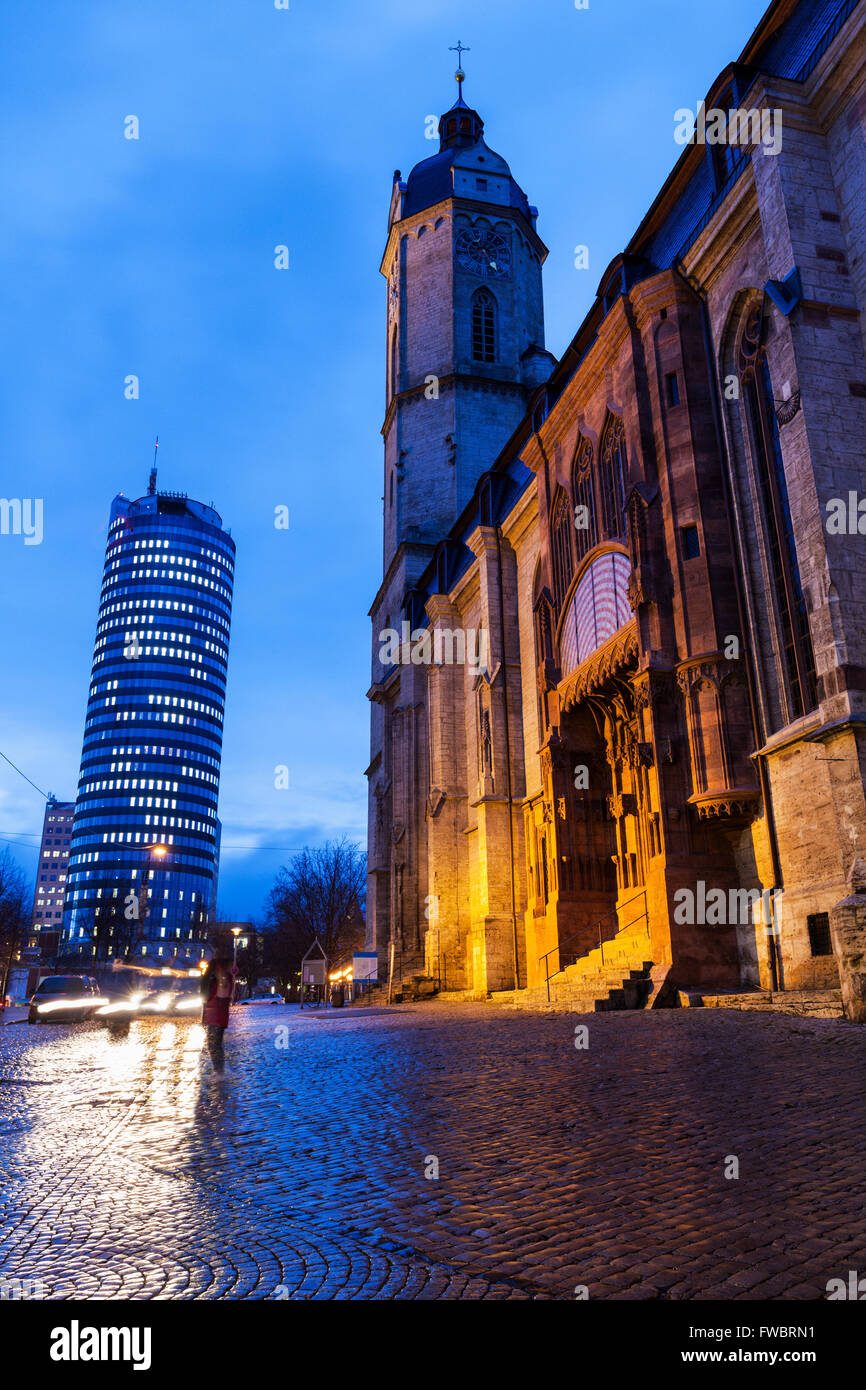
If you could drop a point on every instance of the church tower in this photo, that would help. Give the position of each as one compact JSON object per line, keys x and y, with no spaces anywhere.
{"x":464,"y":352}
{"x":465,"y":326}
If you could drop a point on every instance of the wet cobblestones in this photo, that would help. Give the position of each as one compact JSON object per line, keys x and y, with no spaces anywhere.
{"x":133,"y":1172}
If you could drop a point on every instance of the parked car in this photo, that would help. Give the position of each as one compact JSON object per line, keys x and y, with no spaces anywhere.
{"x":63,"y":999}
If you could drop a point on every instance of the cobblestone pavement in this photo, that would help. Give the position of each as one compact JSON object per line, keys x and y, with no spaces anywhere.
{"x":132,"y":1171}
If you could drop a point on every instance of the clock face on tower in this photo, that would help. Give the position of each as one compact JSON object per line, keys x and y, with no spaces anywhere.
{"x":484,"y":253}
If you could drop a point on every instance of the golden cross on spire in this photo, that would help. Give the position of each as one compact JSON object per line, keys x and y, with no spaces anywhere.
{"x":459,"y":49}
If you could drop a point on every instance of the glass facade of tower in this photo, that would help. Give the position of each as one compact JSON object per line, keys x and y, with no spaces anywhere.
{"x":145,"y":836}
{"x":51,"y":873}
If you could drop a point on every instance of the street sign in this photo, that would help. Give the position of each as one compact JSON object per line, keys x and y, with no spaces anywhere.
{"x":365,"y":965}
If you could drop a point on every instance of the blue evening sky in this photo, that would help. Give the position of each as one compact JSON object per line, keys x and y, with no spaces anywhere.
{"x":155,"y":256}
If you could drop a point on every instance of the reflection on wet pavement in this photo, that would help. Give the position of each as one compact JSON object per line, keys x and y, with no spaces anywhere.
{"x":306,"y":1170}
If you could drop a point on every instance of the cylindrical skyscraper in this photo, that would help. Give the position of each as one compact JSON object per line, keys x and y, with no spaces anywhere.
{"x":145,"y":837}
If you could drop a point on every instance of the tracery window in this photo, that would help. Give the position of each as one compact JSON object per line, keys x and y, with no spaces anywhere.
{"x":544,"y":625}
{"x":562,"y":552}
{"x":585,"y":524}
{"x":797,"y":653}
{"x":612,"y":471}
{"x":483,"y":326}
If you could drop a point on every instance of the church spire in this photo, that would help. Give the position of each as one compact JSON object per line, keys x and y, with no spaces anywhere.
{"x":461,"y":125}
{"x":460,"y":75}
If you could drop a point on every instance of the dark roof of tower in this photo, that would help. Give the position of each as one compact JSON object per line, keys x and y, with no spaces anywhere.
{"x":461,"y":137}
{"x":460,"y":125}
{"x":176,"y":504}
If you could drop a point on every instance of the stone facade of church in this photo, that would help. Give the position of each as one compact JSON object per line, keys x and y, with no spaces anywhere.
{"x":619,"y":650}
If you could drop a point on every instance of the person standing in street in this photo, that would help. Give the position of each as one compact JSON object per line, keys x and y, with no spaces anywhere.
{"x":217,"y":988}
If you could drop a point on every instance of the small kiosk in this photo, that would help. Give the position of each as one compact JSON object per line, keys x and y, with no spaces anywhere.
{"x":314,"y":972}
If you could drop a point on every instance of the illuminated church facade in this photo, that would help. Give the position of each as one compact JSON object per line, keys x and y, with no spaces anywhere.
{"x":618,"y":692}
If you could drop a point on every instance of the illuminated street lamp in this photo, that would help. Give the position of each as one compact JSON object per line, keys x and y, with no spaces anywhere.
{"x":236,"y":931}
{"x":155,"y":853}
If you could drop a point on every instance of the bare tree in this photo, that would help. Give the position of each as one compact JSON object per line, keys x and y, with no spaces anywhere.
{"x":14,"y":916}
{"x":321,"y":895}
{"x":251,"y":959}
{"x":281,"y":958}
{"x":217,"y":933}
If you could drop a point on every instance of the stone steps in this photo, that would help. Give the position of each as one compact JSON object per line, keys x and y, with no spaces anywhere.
{"x":609,"y":979}
{"x":521,"y":1004}
{"x":605,"y":979}
{"x":615,"y":977}
{"x":629,"y":949}
{"x":593,"y":996}
{"x":601,"y":994}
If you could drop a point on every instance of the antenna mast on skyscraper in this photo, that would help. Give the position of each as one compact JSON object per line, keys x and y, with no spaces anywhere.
{"x":151,"y":487}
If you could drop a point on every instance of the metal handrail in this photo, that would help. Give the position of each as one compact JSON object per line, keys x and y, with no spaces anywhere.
{"x":612,"y":912}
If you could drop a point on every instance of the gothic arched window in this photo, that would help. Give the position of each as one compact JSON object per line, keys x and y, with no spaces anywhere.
{"x":544,"y":626}
{"x":797,"y":653}
{"x":483,"y":326}
{"x":585,"y":524}
{"x":561,"y":527}
{"x":613,"y":473}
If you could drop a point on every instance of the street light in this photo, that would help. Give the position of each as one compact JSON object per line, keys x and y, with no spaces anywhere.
{"x":154,"y":852}
{"x":236,"y":931}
